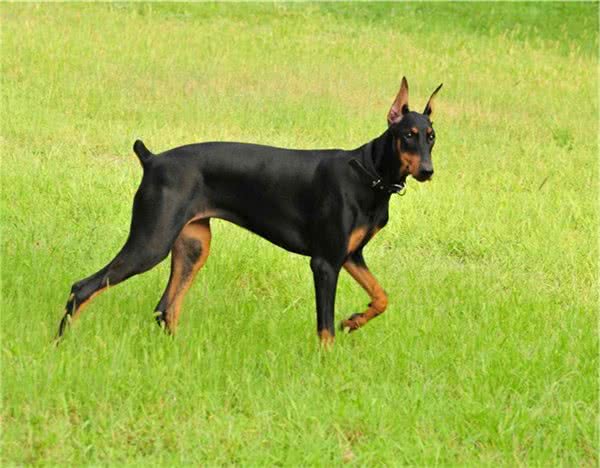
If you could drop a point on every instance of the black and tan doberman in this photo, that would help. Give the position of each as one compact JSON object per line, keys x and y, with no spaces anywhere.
{"x":325,"y":204}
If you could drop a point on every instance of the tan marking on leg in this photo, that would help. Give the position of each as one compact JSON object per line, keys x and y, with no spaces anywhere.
{"x":369,"y":283}
{"x":182,"y":279}
{"x":79,"y":308}
{"x":356,"y":237}
{"x":326,"y":338}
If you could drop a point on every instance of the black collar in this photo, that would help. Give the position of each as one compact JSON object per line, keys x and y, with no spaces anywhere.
{"x":374,"y":181}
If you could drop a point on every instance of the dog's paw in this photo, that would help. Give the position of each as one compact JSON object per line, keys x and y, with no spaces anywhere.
{"x":352,"y":323}
{"x":159,"y":318}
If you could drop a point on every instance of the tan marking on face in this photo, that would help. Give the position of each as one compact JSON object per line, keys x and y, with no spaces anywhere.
{"x":429,"y":130}
{"x":356,"y":237}
{"x":409,"y":162}
{"x":182,"y":279}
{"x":415,"y":130}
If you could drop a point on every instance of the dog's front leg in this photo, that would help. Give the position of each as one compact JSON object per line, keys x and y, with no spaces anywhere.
{"x":325,"y":274}
{"x":357,"y":267}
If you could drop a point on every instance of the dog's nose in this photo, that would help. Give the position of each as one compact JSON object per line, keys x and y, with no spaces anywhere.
{"x":426,"y":173}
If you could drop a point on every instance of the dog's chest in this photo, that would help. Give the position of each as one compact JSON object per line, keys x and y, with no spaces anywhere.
{"x":377,"y":217}
{"x":370,"y":223}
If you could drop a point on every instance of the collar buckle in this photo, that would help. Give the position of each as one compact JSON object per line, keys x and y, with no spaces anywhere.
{"x":399,"y":189}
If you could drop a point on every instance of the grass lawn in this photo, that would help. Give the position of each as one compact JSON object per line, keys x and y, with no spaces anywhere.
{"x":488,"y":353}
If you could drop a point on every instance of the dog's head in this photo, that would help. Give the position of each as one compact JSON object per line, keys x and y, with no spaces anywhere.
{"x":414,"y":136}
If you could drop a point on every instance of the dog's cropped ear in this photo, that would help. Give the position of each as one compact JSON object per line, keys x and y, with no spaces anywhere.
{"x":430,"y":104}
{"x":400,"y":105}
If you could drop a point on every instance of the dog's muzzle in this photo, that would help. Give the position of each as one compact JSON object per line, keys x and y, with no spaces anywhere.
{"x":424,"y":174}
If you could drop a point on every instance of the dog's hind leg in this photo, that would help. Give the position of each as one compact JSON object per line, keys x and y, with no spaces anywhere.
{"x":155,"y":224}
{"x":129,"y":262}
{"x":356,"y":266}
{"x":188,"y":256}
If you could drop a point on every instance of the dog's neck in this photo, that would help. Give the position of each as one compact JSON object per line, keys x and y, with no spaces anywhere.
{"x":380,"y":155}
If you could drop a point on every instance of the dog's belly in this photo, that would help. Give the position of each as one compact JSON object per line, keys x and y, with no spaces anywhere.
{"x":277,"y":208}
{"x":281,"y":232}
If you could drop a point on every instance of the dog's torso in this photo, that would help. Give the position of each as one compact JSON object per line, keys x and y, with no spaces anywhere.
{"x":293,"y":198}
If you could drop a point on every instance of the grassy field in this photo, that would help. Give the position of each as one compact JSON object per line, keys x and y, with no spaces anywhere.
{"x":488,"y":353}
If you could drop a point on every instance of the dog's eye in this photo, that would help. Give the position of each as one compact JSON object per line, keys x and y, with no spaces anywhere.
{"x":409,"y":135}
{"x":431,"y":137}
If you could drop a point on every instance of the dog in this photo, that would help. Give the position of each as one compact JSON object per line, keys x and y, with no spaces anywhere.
{"x":324,"y":204}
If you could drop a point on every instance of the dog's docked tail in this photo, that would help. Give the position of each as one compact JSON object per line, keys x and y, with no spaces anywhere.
{"x":143,"y":153}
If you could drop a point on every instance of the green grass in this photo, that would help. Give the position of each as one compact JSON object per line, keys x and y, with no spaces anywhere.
{"x":488,"y":353}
